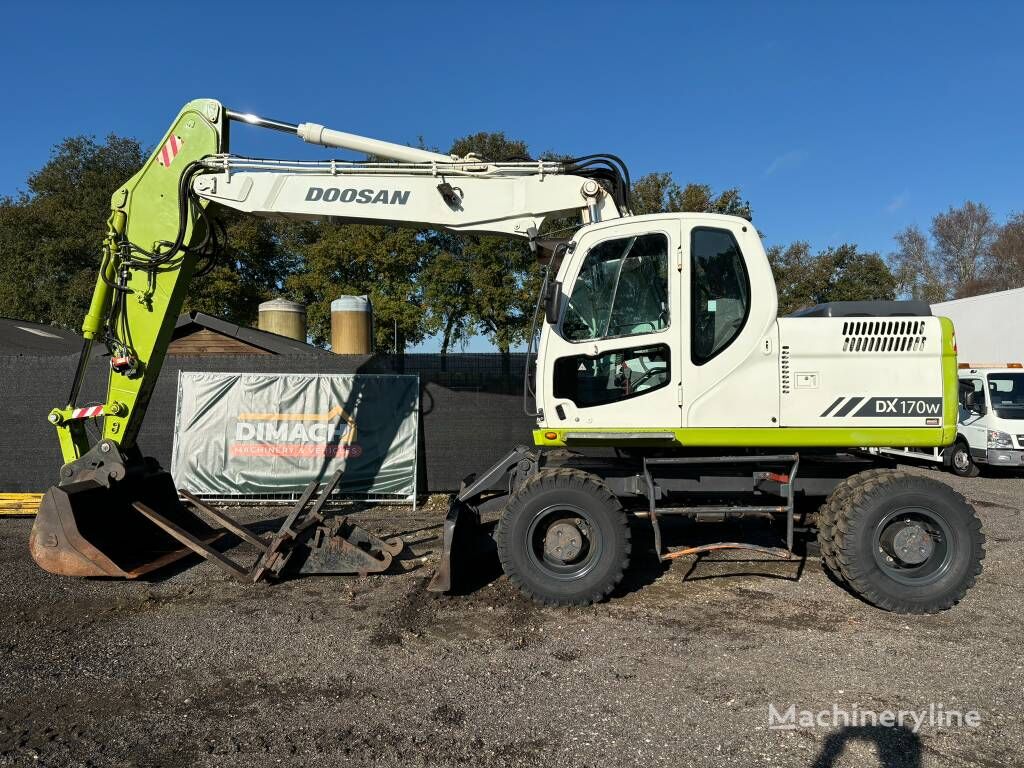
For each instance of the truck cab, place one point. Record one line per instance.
(991, 417)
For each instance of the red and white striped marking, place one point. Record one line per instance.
(170, 150)
(87, 413)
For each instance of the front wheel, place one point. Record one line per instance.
(960, 461)
(563, 539)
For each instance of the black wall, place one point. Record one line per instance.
(471, 408)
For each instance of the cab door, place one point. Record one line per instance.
(974, 425)
(730, 360)
(614, 353)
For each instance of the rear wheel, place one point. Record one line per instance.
(829, 511)
(960, 461)
(907, 543)
(563, 538)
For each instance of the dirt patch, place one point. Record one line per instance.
(192, 669)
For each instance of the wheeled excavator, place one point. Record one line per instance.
(665, 383)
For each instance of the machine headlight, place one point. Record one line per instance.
(997, 439)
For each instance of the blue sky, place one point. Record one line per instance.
(840, 122)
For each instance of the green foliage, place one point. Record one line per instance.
(253, 268)
(505, 277)
(498, 290)
(658, 192)
(50, 238)
(834, 274)
(50, 234)
(382, 262)
(495, 147)
(448, 290)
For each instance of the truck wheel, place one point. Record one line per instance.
(960, 461)
(563, 539)
(907, 543)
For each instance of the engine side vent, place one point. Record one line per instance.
(784, 369)
(883, 336)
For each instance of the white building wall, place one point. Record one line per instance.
(989, 328)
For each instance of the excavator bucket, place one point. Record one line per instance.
(85, 528)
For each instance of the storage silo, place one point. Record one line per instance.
(283, 317)
(352, 325)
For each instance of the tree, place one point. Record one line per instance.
(50, 235)
(968, 253)
(50, 238)
(502, 274)
(505, 278)
(963, 240)
(1004, 267)
(842, 273)
(494, 147)
(658, 192)
(253, 267)
(700, 198)
(448, 289)
(846, 274)
(382, 262)
(917, 274)
(792, 268)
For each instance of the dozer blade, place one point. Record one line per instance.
(84, 528)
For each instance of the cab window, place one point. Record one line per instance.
(615, 375)
(622, 290)
(1006, 392)
(719, 291)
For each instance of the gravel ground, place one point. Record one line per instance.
(678, 668)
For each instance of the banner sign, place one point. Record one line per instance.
(250, 434)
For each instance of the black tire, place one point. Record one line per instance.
(939, 557)
(959, 461)
(829, 511)
(596, 538)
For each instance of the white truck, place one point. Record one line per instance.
(990, 423)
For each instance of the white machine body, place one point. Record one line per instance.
(689, 335)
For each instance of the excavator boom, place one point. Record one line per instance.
(160, 234)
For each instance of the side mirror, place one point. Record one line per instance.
(966, 395)
(552, 301)
(969, 400)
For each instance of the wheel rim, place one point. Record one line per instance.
(913, 546)
(563, 541)
(961, 458)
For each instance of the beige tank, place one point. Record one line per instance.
(352, 325)
(283, 317)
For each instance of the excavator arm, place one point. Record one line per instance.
(162, 231)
